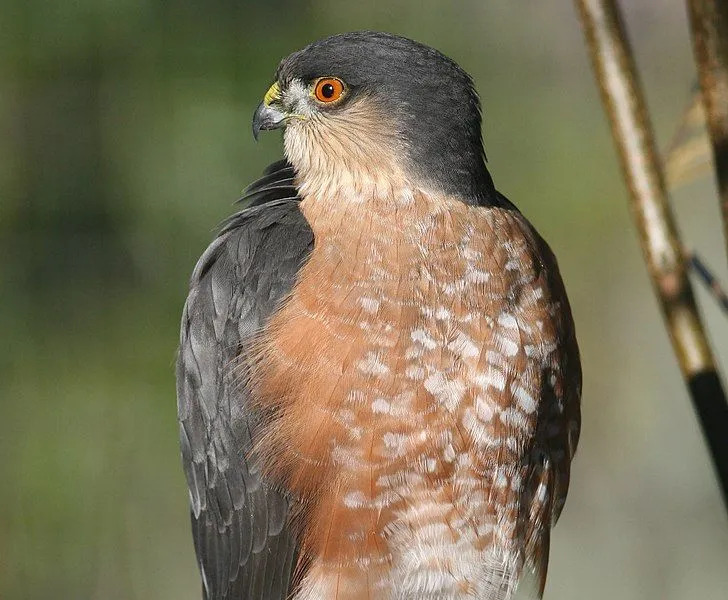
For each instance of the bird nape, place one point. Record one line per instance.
(378, 379)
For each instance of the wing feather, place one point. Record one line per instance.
(245, 549)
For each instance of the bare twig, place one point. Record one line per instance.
(622, 96)
(689, 154)
(709, 23)
(688, 157)
(710, 281)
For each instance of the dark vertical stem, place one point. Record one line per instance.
(711, 282)
(709, 24)
(622, 96)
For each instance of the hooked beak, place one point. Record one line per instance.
(267, 116)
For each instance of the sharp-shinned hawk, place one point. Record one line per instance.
(378, 377)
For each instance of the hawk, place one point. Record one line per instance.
(378, 379)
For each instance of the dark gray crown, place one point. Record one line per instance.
(431, 98)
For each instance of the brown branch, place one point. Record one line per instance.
(709, 24)
(622, 96)
(689, 154)
(687, 157)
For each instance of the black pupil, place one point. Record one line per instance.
(327, 90)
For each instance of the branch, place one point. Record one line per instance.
(687, 157)
(622, 96)
(709, 279)
(709, 24)
(689, 154)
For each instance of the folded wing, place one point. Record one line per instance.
(245, 549)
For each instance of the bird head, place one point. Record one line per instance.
(374, 107)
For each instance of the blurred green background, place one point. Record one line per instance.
(124, 138)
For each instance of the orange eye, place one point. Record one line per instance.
(328, 89)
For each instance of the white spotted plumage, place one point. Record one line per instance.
(436, 445)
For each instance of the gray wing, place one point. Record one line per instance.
(244, 547)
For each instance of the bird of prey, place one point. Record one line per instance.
(378, 379)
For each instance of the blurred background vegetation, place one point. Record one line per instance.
(124, 138)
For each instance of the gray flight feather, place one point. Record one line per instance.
(245, 548)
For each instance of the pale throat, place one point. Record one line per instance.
(341, 164)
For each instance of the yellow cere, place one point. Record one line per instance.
(273, 94)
